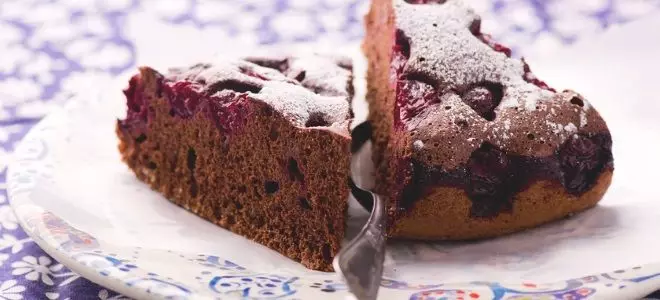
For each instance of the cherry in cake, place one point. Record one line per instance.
(257, 146)
(468, 142)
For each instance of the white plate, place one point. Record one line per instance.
(72, 195)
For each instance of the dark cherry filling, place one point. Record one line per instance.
(186, 98)
(137, 111)
(581, 160)
(491, 178)
(488, 40)
(228, 111)
(414, 96)
(414, 92)
(531, 78)
(137, 114)
(484, 98)
(400, 56)
(134, 94)
(183, 98)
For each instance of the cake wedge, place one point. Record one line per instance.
(259, 146)
(468, 143)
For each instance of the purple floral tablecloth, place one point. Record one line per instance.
(49, 47)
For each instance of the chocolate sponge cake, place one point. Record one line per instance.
(468, 142)
(259, 147)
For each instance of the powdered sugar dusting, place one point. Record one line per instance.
(583, 119)
(299, 104)
(571, 128)
(444, 53)
(418, 145)
(307, 87)
(554, 127)
(320, 74)
(444, 49)
(226, 70)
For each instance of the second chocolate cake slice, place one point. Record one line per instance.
(468, 142)
(260, 148)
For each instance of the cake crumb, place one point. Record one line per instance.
(418, 145)
(507, 124)
(570, 127)
(583, 119)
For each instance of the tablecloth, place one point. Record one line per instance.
(49, 47)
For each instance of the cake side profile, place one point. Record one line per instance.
(261, 150)
(468, 142)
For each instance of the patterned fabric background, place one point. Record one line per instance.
(49, 48)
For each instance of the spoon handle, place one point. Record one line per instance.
(361, 261)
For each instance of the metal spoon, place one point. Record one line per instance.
(361, 261)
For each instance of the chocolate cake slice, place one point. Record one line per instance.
(468, 142)
(259, 147)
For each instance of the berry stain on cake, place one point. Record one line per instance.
(249, 145)
(460, 118)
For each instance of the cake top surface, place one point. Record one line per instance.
(457, 89)
(309, 91)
